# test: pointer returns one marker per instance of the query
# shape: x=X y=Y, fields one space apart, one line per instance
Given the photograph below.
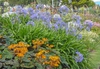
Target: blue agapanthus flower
x=88 y=24
x=31 y=11
x=30 y=23
x=77 y=18
x=56 y=27
x=56 y=17
x=61 y=24
x=63 y=10
x=79 y=57
x=79 y=36
x=24 y=11
x=34 y=16
x=39 y=6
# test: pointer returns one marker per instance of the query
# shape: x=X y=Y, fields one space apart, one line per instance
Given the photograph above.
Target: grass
x=95 y=55
x=96 y=58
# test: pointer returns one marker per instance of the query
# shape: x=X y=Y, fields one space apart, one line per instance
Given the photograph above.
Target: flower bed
x=38 y=40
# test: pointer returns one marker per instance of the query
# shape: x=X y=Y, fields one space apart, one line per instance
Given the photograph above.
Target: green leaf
x=7 y=54
x=25 y=59
x=39 y=66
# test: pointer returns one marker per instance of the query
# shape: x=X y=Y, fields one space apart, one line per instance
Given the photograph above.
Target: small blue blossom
x=45 y=17
x=72 y=31
x=56 y=27
x=61 y=24
x=18 y=9
x=24 y=11
x=56 y=17
x=79 y=57
x=63 y=10
x=39 y=6
x=79 y=36
x=77 y=18
x=30 y=23
x=31 y=11
x=88 y=24
x=34 y=16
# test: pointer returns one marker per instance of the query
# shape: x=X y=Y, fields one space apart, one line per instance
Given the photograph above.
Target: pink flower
x=96 y=24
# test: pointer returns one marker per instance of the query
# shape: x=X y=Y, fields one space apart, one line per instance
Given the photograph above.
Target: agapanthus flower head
x=45 y=17
x=24 y=11
x=79 y=57
x=34 y=16
x=18 y=8
x=76 y=17
x=63 y=9
x=61 y=24
x=30 y=23
x=57 y=17
x=73 y=31
x=79 y=36
x=39 y=6
x=88 y=24
x=56 y=27
x=31 y=11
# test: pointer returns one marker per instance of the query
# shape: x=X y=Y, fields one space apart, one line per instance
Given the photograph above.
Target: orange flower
x=37 y=43
x=19 y=49
x=23 y=44
x=54 y=61
x=40 y=54
x=20 y=55
x=43 y=56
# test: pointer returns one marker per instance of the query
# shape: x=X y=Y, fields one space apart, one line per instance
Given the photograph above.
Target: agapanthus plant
x=79 y=57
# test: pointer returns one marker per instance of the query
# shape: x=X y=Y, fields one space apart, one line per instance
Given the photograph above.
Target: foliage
x=79 y=3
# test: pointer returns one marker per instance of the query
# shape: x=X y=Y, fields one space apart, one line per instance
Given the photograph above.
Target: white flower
x=7 y=14
x=6 y=3
x=56 y=16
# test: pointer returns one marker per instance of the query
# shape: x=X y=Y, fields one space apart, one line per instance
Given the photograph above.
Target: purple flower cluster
x=79 y=57
x=79 y=36
x=63 y=10
x=39 y=6
x=30 y=11
x=57 y=17
x=88 y=24
x=77 y=21
x=30 y=23
x=55 y=21
x=77 y=18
